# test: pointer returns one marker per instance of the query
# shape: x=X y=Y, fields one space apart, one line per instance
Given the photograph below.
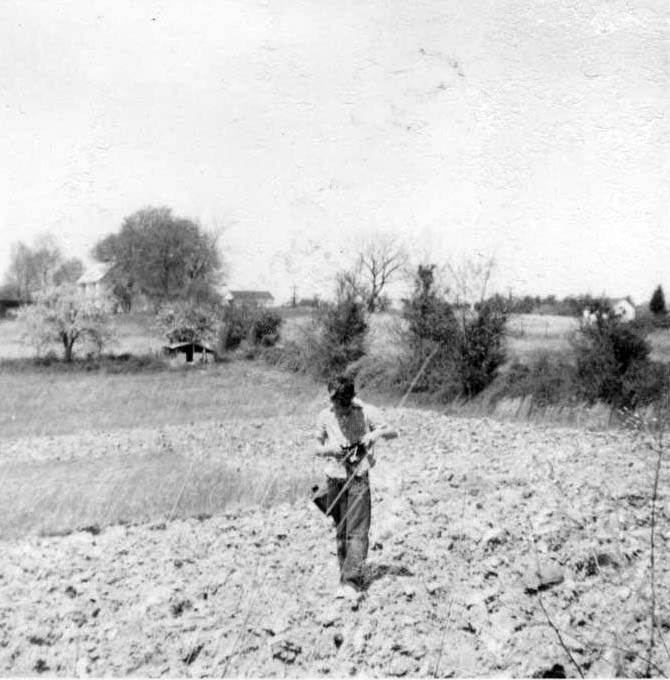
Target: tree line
x=176 y=266
x=155 y=255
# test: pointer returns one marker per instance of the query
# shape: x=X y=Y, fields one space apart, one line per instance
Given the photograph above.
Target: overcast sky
x=535 y=132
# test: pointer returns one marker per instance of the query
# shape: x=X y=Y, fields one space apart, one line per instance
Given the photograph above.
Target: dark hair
x=342 y=387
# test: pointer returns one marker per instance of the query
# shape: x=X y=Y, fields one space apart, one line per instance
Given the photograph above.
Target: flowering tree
x=63 y=316
x=183 y=322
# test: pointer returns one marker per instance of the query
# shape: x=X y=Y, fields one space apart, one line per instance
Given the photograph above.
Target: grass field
x=53 y=404
x=84 y=449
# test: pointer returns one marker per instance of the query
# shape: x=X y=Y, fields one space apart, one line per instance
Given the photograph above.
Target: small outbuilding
x=188 y=351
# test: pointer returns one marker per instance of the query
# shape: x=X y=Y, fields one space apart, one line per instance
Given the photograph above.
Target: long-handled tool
x=356 y=446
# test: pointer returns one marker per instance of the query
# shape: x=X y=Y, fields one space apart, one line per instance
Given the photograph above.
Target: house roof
x=96 y=272
x=252 y=295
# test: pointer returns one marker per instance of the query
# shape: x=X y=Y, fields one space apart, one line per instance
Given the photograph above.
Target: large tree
x=161 y=255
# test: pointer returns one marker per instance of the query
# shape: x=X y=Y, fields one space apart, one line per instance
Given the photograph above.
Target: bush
x=339 y=335
x=465 y=354
x=644 y=383
x=265 y=327
x=253 y=325
x=236 y=326
x=188 y=322
x=481 y=347
x=290 y=357
x=549 y=378
x=609 y=355
x=432 y=340
x=332 y=340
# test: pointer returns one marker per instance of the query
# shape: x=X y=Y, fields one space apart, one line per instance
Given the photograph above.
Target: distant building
x=252 y=298
x=94 y=282
x=624 y=309
x=308 y=302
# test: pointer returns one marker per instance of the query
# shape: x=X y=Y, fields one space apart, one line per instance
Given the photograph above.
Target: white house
x=94 y=281
x=624 y=309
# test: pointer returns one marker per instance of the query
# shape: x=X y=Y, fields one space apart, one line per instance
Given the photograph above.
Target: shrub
x=465 y=354
x=432 y=340
x=481 y=347
x=549 y=378
x=337 y=338
x=644 y=383
x=605 y=351
x=265 y=327
x=186 y=322
x=236 y=326
x=290 y=357
x=251 y=324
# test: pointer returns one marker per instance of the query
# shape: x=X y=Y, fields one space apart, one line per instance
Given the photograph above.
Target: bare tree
x=382 y=257
x=470 y=279
x=40 y=266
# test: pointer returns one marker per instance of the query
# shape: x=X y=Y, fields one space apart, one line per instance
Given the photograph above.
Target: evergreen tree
x=657 y=302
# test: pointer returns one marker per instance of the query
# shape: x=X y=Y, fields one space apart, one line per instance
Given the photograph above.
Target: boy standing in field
x=347 y=433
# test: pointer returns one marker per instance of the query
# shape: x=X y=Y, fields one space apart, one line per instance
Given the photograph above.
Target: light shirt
x=345 y=430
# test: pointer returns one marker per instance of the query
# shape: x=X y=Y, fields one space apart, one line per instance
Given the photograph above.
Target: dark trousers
x=352 y=521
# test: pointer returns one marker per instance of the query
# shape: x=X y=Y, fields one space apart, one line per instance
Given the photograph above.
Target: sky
x=536 y=133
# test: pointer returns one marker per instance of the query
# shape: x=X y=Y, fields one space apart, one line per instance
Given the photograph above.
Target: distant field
x=528 y=334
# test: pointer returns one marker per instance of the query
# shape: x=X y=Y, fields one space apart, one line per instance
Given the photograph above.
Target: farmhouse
x=624 y=309
x=94 y=282
x=252 y=298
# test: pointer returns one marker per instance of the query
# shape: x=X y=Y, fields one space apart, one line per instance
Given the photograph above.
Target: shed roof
x=197 y=346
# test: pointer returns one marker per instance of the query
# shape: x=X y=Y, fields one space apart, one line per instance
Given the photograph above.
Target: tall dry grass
x=90 y=421
x=57 y=497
